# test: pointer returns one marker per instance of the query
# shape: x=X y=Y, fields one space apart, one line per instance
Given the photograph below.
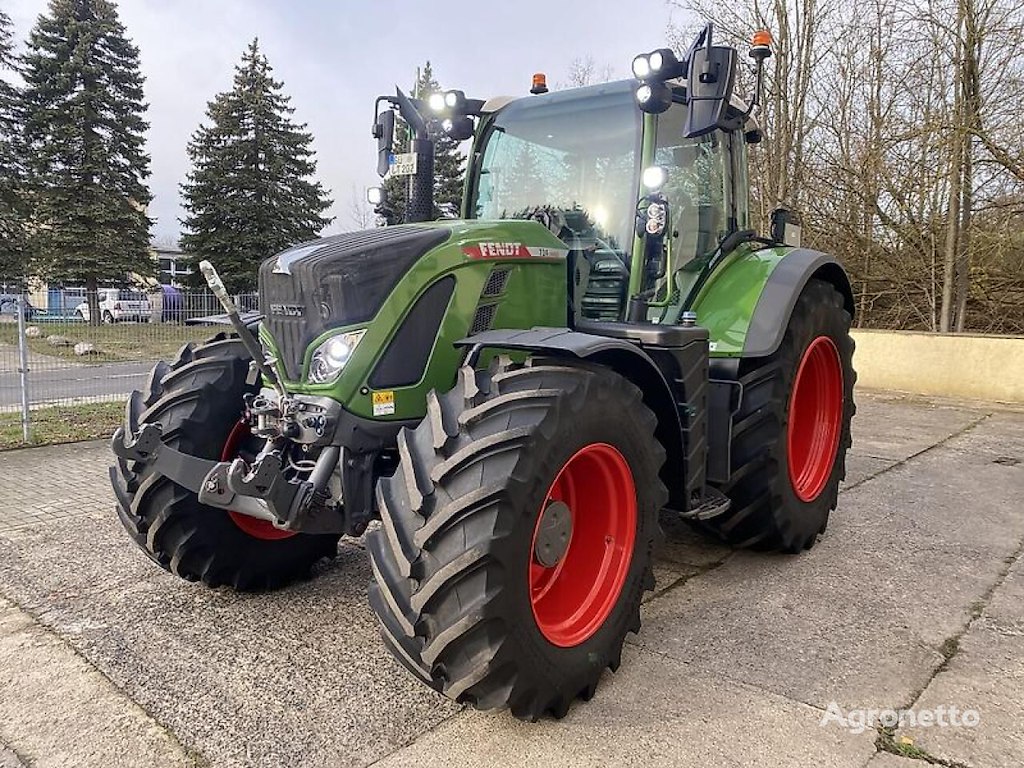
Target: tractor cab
x=643 y=198
x=579 y=161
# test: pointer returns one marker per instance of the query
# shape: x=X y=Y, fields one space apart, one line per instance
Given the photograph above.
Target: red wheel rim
x=815 y=418
x=258 y=529
x=573 y=598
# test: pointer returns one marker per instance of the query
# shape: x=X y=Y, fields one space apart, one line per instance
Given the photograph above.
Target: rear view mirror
x=384 y=131
x=709 y=86
x=786 y=227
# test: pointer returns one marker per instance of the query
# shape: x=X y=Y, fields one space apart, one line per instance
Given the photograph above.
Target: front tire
x=792 y=432
x=482 y=588
x=197 y=400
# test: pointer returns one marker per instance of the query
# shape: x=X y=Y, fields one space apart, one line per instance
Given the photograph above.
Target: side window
x=699 y=185
x=742 y=177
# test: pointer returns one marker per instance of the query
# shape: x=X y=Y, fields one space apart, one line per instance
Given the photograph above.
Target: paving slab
x=986 y=675
x=294 y=678
x=60 y=711
x=897 y=427
x=860 y=468
x=39 y=485
x=889 y=760
x=661 y=713
x=684 y=547
x=860 y=619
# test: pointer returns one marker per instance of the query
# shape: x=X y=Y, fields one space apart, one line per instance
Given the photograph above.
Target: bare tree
x=360 y=213
x=585 y=71
x=894 y=129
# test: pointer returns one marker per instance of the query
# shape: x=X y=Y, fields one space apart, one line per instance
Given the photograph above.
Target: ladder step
x=714 y=503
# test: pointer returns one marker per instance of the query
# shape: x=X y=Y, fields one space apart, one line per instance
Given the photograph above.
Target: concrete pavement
x=911 y=600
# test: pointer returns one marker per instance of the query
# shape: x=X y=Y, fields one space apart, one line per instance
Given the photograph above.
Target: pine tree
x=448 y=161
x=251 y=191
x=84 y=141
x=13 y=253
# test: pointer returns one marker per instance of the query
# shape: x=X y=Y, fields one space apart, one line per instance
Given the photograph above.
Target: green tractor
x=518 y=394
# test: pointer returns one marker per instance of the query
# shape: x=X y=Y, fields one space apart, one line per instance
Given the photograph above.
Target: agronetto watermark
x=860 y=720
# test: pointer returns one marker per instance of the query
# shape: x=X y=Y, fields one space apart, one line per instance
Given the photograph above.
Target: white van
x=117 y=304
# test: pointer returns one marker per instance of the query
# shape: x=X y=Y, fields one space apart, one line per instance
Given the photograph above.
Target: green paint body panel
x=535 y=293
x=726 y=303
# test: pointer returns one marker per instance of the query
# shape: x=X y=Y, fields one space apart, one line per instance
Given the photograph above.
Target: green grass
x=119 y=342
x=62 y=424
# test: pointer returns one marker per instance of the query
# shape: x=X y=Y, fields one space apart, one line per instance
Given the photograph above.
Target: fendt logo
x=287 y=310
x=512 y=251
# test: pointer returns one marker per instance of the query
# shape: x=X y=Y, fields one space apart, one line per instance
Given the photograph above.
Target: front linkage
x=262 y=488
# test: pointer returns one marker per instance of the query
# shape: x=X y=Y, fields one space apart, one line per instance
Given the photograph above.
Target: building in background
x=173 y=268
x=62 y=300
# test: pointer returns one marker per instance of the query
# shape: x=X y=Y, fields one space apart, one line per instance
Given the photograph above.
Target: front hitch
x=261 y=490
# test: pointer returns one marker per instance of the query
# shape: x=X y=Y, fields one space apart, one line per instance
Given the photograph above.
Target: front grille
x=483 y=318
x=605 y=294
x=495 y=285
x=334 y=282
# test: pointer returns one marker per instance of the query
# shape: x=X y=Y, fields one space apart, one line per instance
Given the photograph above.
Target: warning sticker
x=384 y=403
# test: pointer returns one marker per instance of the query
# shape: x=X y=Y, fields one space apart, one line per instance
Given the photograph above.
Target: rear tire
x=774 y=508
x=460 y=590
x=197 y=400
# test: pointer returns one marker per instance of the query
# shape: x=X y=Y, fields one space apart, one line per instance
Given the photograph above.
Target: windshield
x=571 y=155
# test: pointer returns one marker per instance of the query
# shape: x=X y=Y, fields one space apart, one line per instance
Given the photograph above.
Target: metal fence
x=57 y=365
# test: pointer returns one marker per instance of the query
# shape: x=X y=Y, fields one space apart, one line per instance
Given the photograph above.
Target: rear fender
x=746 y=305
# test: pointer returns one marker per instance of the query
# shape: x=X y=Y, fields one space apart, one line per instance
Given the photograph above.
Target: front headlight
x=330 y=358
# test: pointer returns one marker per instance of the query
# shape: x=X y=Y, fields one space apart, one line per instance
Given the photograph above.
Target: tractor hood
x=336 y=281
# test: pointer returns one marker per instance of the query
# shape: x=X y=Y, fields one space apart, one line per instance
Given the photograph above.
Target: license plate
x=404 y=164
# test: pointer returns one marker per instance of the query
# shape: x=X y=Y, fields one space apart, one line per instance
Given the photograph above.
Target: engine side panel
x=531 y=290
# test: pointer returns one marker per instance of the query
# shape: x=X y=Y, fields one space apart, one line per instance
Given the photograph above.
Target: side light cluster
x=447 y=101
x=330 y=358
x=657 y=218
x=451 y=107
x=652 y=70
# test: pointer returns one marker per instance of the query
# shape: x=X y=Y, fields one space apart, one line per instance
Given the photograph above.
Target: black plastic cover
x=334 y=282
x=405 y=359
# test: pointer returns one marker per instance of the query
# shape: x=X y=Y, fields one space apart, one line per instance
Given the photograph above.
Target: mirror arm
x=410 y=114
x=758 y=88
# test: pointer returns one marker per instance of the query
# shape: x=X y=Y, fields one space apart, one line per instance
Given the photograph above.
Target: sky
x=335 y=57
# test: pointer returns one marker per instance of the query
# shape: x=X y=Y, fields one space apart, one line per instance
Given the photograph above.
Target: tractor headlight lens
x=331 y=357
x=641 y=66
x=654 y=177
x=654 y=97
x=656 y=60
x=436 y=102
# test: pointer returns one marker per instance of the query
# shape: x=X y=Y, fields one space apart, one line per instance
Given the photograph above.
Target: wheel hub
x=815 y=418
x=553 y=534
x=582 y=545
